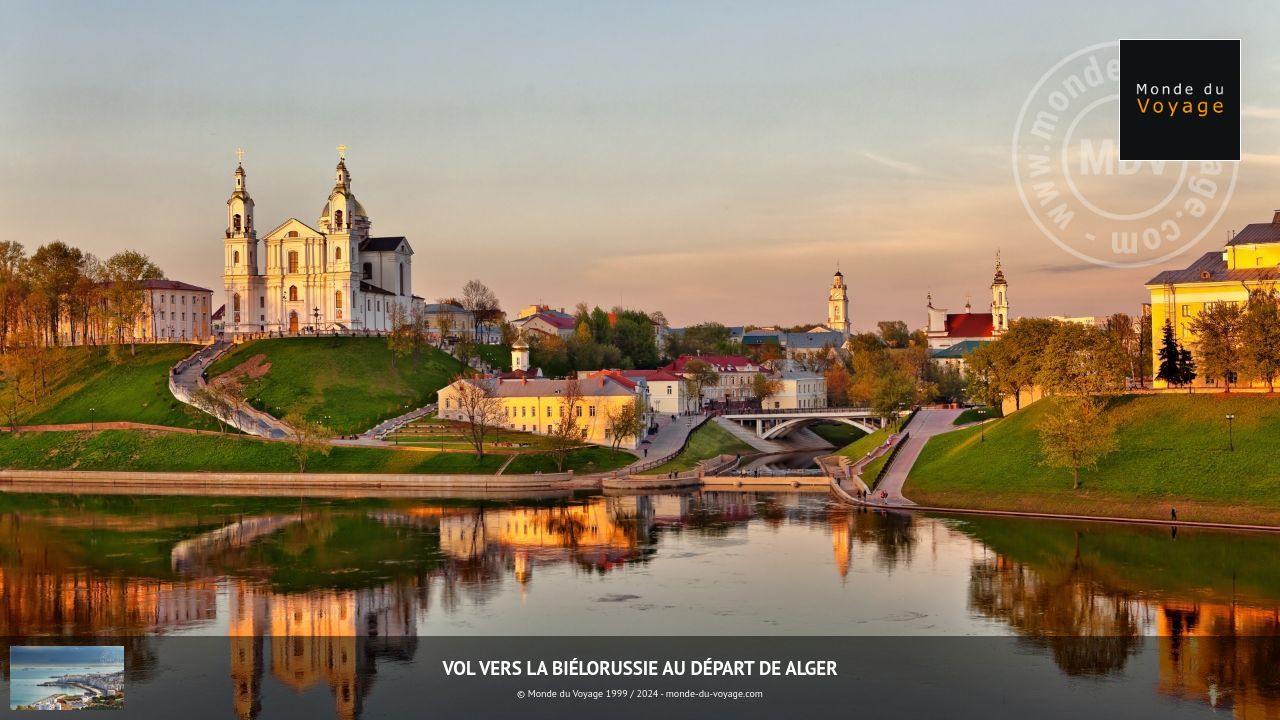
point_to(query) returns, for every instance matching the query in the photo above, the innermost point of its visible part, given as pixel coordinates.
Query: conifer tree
(1170, 356)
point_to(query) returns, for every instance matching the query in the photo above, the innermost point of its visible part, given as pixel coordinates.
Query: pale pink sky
(711, 160)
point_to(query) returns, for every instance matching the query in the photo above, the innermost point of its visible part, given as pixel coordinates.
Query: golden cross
(342, 152)
(239, 155)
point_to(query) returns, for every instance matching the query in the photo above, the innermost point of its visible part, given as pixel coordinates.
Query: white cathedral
(336, 278)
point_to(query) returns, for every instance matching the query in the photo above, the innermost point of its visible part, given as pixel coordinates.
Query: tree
(627, 420)
(1260, 336)
(1081, 360)
(1186, 367)
(981, 383)
(698, 375)
(1219, 349)
(894, 333)
(894, 391)
(1075, 435)
(565, 433)
(479, 407)
(837, 385)
(481, 302)
(126, 297)
(309, 438)
(53, 270)
(214, 403)
(13, 288)
(1120, 327)
(1170, 356)
(764, 387)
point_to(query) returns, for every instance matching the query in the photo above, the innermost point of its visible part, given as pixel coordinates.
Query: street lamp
(315, 326)
(1231, 445)
(91, 419)
(982, 426)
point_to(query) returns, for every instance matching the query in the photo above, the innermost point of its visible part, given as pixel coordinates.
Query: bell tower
(999, 301)
(241, 242)
(838, 305)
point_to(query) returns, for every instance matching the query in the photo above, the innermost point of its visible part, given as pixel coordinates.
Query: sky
(712, 160)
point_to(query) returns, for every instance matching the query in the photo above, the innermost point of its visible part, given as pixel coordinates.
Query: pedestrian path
(189, 375)
(669, 439)
(926, 423)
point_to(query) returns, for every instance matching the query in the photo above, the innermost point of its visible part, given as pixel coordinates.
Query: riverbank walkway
(925, 424)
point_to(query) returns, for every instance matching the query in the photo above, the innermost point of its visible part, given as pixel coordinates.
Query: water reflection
(318, 594)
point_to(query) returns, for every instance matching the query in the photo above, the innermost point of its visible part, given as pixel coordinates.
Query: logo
(1083, 196)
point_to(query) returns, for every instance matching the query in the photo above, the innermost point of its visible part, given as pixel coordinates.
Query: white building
(800, 389)
(333, 277)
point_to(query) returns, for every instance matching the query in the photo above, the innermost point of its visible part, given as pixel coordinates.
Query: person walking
(1173, 514)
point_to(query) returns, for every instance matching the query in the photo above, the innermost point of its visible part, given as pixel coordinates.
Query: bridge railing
(802, 411)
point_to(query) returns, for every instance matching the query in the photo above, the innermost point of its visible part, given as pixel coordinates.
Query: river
(703, 563)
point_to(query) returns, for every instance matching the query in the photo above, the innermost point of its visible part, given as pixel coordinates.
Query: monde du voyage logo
(1123, 153)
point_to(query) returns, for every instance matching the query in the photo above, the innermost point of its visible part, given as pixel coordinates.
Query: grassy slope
(972, 415)
(707, 441)
(1171, 451)
(133, 388)
(348, 384)
(585, 460)
(863, 445)
(498, 356)
(838, 434)
(158, 451)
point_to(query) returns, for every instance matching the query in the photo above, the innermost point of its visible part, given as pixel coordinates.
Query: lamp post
(315, 326)
(1231, 445)
(91, 419)
(982, 426)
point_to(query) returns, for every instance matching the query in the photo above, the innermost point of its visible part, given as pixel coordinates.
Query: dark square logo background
(1183, 136)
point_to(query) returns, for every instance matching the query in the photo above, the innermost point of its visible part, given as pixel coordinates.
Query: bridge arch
(785, 428)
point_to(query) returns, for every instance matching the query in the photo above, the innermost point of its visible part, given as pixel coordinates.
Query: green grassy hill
(132, 388)
(1171, 451)
(347, 384)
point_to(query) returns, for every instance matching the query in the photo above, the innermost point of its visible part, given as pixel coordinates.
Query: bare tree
(309, 438)
(566, 433)
(214, 403)
(624, 422)
(481, 302)
(479, 408)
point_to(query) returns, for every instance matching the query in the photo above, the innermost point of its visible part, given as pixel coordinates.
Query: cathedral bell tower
(838, 305)
(241, 242)
(999, 301)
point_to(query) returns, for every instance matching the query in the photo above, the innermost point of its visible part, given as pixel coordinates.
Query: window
(337, 253)
(591, 411)
(293, 293)
(548, 411)
(262, 301)
(337, 299)
(235, 222)
(235, 258)
(401, 278)
(579, 410)
(367, 271)
(293, 261)
(235, 302)
(1186, 311)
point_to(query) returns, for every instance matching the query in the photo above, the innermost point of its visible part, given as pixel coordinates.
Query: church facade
(334, 277)
(946, 329)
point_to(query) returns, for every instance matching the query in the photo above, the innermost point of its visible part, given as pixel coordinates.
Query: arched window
(235, 222)
(337, 253)
(368, 271)
(401, 278)
(337, 299)
(293, 261)
(337, 219)
(293, 293)
(235, 302)
(235, 257)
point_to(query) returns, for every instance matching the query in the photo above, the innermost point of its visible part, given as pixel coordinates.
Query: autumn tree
(698, 376)
(764, 387)
(1076, 435)
(124, 274)
(1260, 336)
(837, 377)
(1219, 347)
(1081, 360)
(481, 302)
(624, 421)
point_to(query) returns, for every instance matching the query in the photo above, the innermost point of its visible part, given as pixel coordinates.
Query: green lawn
(347, 384)
(89, 386)
(1171, 451)
(864, 445)
(972, 415)
(707, 441)
(838, 434)
(159, 451)
(498, 356)
(873, 467)
(585, 460)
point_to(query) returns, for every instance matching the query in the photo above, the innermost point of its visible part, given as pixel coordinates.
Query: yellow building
(1248, 261)
(537, 404)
